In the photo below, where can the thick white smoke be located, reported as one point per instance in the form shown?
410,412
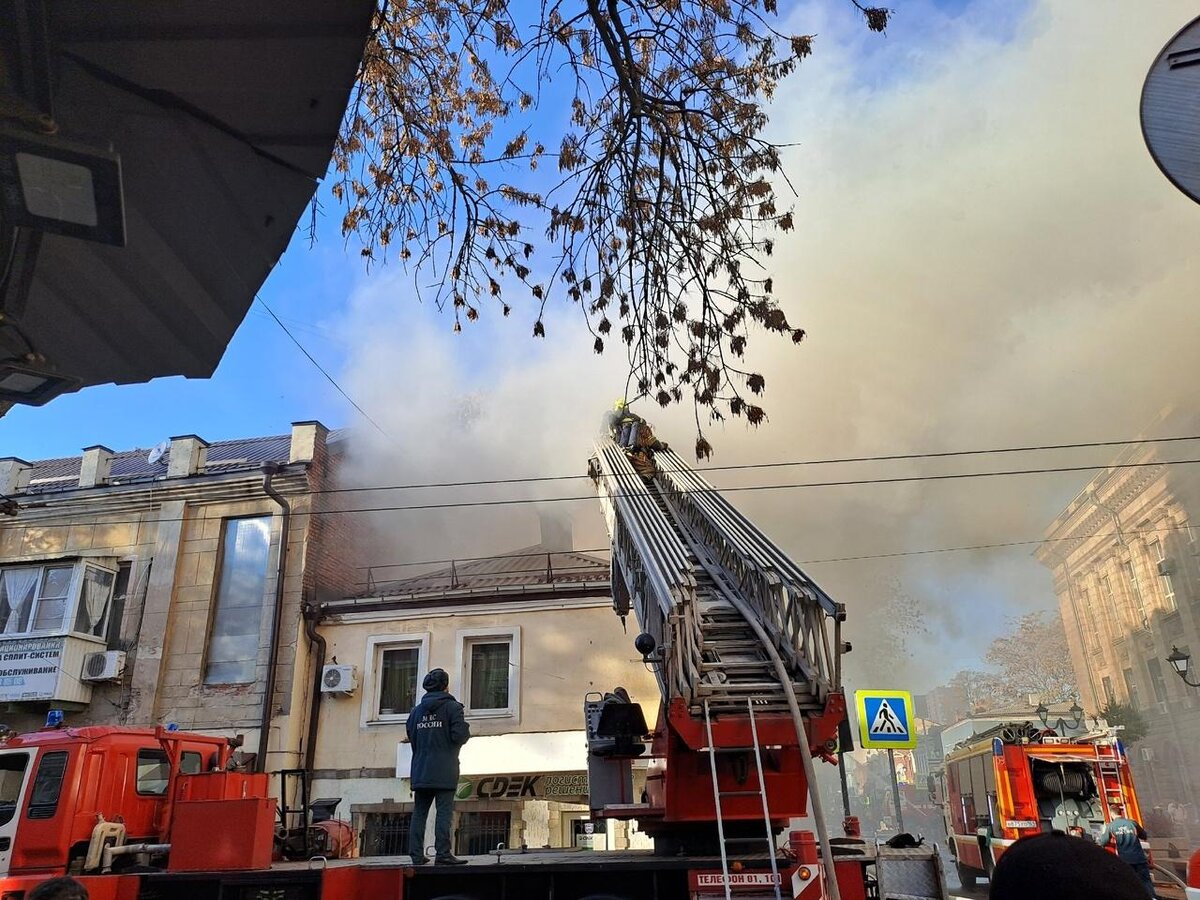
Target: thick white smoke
986,256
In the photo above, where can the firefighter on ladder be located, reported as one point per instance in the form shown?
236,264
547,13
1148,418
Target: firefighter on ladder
631,432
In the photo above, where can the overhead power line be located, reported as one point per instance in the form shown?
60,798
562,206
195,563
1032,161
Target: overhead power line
894,457
925,551
903,479
321,368
850,482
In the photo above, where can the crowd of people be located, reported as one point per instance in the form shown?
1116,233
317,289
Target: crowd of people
1173,820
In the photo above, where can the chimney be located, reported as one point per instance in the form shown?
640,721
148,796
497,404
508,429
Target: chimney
14,475
1035,700
556,532
188,454
307,437
96,466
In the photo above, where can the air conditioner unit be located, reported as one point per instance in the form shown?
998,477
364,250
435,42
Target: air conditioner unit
105,665
1166,567
338,680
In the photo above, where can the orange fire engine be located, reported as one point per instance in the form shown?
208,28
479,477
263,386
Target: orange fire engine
1017,780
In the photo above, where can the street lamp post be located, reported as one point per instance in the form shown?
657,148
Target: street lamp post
1181,662
1061,725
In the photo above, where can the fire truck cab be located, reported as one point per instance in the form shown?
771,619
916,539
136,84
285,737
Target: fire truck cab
67,793
1016,780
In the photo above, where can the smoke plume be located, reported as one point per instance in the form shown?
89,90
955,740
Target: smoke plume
986,256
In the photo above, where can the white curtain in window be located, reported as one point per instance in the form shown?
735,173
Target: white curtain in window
18,587
97,588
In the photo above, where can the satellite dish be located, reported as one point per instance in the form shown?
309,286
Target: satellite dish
160,450
1171,110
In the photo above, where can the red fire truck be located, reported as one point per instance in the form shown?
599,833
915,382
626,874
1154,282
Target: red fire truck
1017,780
747,653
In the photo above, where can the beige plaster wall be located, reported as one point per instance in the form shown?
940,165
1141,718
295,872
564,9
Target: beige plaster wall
565,653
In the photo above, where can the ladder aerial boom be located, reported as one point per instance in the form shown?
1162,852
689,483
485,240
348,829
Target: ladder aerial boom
697,574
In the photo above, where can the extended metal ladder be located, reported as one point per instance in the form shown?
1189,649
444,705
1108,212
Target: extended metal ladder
719,796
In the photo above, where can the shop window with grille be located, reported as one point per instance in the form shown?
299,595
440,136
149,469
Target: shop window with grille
385,834
481,832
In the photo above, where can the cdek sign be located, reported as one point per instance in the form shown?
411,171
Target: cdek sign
570,787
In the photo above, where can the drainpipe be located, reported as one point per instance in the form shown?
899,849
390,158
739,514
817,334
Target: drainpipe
311,615
270,470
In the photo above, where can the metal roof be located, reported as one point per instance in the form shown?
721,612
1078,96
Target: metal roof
224,115
62,474
531,567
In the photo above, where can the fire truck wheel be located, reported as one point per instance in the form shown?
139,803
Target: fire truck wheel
966,876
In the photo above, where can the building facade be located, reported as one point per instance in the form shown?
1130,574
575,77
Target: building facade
1125,558
524,637
166,586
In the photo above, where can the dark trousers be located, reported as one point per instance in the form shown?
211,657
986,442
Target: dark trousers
422,799
1142,870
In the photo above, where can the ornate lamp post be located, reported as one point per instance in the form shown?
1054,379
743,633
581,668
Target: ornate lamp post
1181,662
1061,725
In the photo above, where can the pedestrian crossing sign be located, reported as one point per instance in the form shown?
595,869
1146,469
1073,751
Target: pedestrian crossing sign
885,719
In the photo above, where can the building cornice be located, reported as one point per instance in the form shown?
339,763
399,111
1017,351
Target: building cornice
149,496
1083,520
343,613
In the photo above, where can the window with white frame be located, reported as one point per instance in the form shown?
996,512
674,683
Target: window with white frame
490,662
1159,556
55,598
396,664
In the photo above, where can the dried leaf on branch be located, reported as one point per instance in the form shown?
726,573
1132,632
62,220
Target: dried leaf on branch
663,206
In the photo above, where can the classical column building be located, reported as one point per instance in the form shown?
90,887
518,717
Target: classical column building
1125,558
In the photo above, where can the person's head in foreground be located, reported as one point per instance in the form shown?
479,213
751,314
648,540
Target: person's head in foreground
1056,866
64,888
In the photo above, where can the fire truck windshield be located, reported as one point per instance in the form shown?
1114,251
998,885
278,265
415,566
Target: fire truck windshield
1066,793
12,777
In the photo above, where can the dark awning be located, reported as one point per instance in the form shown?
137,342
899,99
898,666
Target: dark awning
224,115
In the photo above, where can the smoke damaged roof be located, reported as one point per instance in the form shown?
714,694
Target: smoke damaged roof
531,568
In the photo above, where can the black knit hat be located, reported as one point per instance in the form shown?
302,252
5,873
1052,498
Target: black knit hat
1059,867
436,680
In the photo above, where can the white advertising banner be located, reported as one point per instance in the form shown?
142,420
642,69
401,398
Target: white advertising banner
29,668
542,751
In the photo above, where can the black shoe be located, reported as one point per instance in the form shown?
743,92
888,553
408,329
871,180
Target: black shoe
420,860
448,861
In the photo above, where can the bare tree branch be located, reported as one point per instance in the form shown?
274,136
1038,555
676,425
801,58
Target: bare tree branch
664,207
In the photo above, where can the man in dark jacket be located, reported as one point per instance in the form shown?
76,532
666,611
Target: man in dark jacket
1128,835
437,729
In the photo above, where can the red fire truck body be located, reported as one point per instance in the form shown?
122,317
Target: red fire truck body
143,814
1019,782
